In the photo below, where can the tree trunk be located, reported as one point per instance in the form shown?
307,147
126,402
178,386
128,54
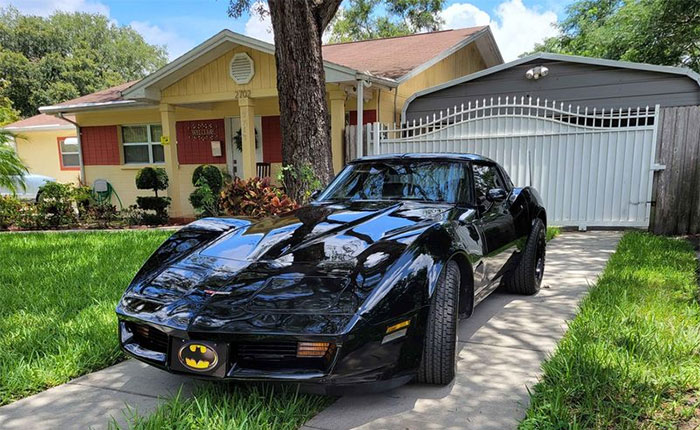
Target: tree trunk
304,120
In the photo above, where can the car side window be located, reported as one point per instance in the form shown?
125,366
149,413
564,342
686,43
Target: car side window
486,177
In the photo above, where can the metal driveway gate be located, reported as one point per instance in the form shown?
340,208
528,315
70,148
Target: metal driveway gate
592,168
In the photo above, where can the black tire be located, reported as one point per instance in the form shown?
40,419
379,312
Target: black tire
527,275
440,344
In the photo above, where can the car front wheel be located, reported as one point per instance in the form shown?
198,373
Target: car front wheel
440,344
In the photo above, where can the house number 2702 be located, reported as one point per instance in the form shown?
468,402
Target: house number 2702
241,94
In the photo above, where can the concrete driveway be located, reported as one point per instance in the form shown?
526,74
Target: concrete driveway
502,347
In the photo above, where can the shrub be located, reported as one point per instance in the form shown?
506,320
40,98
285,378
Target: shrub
55,205
205,201
150,178
209,175
84,199
133,215
255,197
208,181
101,214
9,211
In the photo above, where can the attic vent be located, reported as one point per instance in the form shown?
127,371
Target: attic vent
242,68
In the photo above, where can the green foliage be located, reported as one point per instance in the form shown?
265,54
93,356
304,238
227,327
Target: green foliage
238,140
55,205
371,19
255,197
631,358
208,181
152,203
204,200
305,179
132,216
9,211
552,232
7,113
66,55
58,295
150,178
155,179
663,32
209,175
234,407
12,168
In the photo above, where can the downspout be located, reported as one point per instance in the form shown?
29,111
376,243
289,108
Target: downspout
360,92
80,146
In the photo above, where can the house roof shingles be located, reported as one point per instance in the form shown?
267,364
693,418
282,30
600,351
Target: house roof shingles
38,121
109,95
394,57
390,57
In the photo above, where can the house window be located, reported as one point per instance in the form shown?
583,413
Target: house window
142,144
69,152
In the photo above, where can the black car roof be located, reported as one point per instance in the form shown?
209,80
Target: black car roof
453,156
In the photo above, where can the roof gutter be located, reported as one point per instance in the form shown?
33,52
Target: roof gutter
80,145
62,109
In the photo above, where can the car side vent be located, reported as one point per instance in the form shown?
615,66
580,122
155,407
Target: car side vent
242,68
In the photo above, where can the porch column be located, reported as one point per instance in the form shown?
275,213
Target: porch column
337,98
172,167
247,106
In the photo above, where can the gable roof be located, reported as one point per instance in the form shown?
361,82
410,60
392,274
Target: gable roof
385,62
107,95
38,123
394,57
683,71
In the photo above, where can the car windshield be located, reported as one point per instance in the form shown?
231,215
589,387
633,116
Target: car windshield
421,180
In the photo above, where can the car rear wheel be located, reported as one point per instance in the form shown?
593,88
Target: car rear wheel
440,344
527,275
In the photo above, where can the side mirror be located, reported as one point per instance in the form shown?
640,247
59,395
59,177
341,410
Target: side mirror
496,195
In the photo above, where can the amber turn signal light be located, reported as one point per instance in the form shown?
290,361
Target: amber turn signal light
398,326
312,349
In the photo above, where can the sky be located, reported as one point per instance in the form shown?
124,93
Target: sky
180,25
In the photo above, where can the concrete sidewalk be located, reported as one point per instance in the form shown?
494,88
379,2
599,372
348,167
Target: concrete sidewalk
502,347
93,400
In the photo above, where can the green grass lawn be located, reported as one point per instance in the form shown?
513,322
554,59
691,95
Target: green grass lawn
234,407
631,358
58,292
552,232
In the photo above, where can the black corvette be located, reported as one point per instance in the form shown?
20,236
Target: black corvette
361,288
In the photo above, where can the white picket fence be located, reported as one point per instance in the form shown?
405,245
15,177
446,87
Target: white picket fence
592,167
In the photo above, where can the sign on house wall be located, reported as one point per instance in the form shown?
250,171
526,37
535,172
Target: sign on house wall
194,141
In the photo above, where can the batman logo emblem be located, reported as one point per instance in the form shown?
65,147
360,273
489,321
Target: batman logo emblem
198,357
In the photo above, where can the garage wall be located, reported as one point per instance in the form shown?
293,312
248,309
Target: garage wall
586,85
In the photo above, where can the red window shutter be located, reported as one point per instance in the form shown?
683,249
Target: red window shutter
272,139
100,145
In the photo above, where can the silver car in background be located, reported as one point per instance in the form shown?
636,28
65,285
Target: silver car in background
32,184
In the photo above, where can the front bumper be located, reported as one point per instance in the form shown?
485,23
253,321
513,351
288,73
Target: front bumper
358,361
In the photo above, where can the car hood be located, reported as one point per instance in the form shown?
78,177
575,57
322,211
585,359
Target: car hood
317,262
320,234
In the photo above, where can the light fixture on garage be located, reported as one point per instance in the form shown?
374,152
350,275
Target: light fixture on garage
537,72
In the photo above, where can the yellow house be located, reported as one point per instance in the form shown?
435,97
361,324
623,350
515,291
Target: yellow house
48,146
217,104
